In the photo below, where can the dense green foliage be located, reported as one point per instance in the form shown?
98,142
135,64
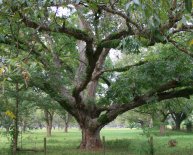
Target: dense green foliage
57,56
163,64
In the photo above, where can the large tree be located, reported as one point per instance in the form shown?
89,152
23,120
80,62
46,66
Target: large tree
64,53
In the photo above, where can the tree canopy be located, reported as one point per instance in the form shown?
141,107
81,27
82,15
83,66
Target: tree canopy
63,48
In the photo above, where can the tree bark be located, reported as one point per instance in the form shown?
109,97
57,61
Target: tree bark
49,119
66,128
162,125
15,128
66,121
49,130
24,125
162,129
91,139
177,122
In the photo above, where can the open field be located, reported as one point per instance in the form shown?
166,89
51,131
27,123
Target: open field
118,142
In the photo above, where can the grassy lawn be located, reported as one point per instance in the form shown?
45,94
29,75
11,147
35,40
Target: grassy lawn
118,142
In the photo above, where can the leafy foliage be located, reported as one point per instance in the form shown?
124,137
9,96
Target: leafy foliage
166,63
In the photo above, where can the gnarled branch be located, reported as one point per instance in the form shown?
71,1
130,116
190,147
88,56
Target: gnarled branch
76,33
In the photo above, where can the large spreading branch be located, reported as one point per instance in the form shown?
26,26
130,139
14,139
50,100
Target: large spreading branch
166,91
63,97
76,33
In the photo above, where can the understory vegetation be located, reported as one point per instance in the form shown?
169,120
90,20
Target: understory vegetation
122,141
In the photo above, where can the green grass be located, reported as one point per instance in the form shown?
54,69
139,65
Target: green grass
118,142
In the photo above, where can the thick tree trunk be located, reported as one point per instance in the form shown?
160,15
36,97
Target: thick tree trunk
91,139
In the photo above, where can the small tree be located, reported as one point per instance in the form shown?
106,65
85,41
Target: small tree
180,112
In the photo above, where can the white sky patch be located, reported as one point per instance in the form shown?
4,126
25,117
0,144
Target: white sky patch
60,11
115,55
63,11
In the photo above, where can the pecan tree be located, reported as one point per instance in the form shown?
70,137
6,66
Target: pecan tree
62,47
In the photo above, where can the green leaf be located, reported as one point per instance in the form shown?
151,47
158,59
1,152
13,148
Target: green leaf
93,6
188,5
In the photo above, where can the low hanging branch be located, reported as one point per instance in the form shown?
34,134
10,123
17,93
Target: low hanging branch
165,91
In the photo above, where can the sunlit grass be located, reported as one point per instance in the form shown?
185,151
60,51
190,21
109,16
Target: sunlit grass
118,142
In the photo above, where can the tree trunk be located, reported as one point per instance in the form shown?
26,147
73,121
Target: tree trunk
15,128
49,130
49,118
91,139
66,121
162,129
177,122
24,126
178,118
66,128
162,125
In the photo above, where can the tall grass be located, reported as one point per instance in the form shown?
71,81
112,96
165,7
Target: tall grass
118,142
